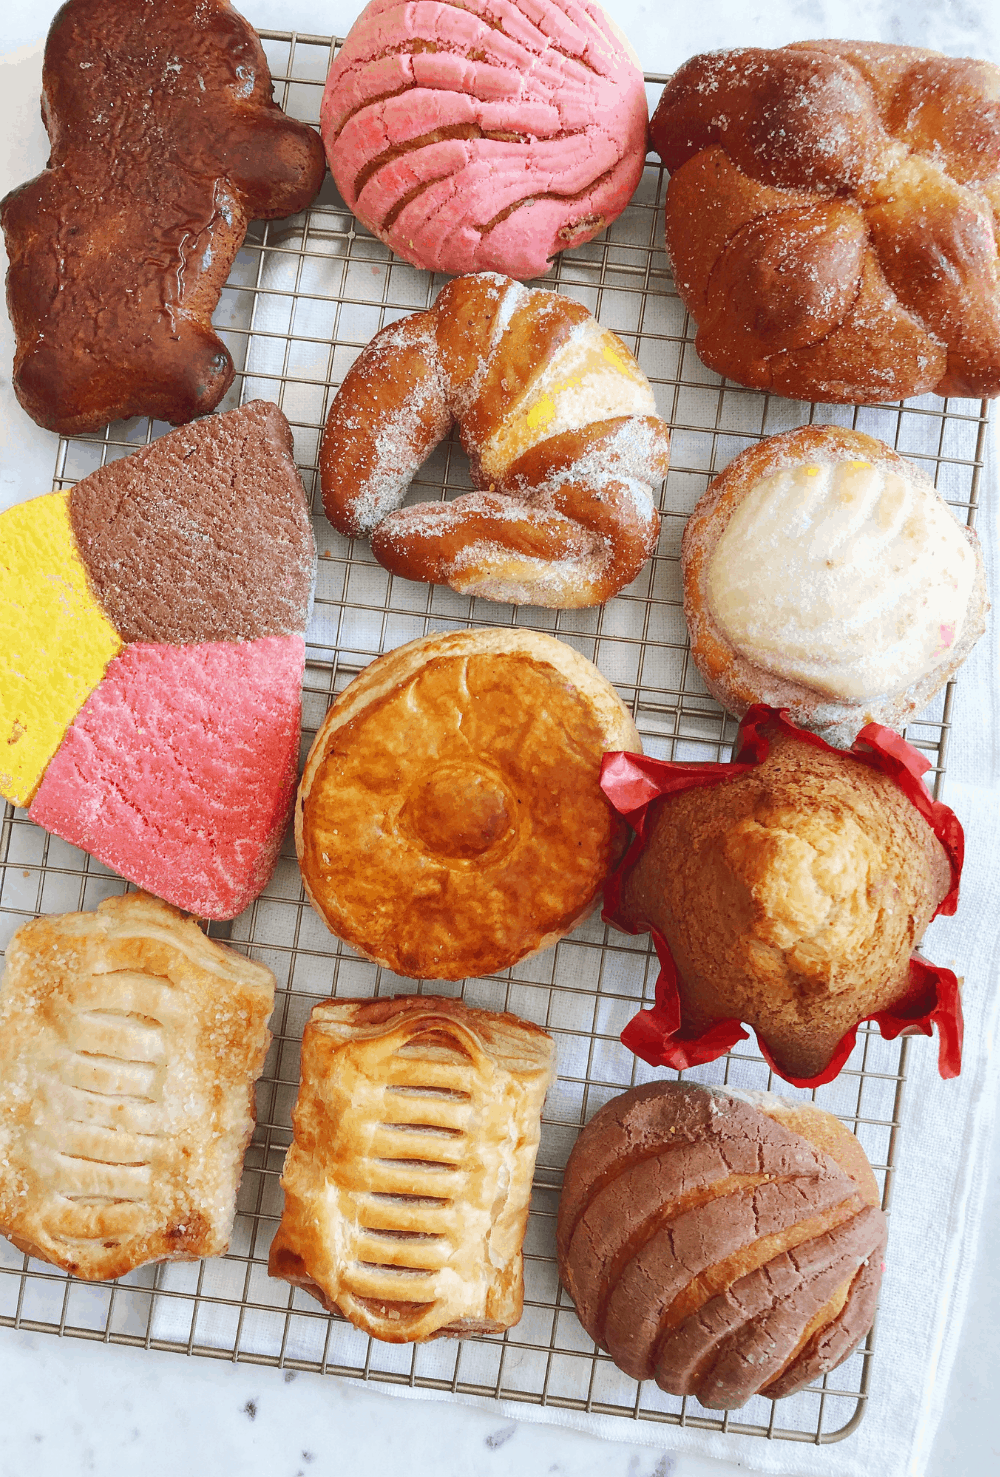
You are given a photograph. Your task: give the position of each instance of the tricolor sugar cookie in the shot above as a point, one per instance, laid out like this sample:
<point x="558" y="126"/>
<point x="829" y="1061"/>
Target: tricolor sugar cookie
<point x="152" y="645"/>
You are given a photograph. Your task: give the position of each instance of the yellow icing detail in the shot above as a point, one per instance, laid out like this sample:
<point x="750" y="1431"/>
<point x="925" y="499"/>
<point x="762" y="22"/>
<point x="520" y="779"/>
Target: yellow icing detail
<point x="859" y="464"/>
<point x="812" y="471"/>
<point x="617" y="361"/>
<point x="55" y="640"/>
<point x="542" y="412"/>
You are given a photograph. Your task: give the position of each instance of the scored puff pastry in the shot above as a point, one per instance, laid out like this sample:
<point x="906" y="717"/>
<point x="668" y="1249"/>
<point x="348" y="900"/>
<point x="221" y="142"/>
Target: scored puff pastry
<point x="129" y="1048"/>
<point x="408" y="1180"/>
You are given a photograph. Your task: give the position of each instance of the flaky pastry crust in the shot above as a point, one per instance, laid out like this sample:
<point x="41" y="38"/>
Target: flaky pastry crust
<point x="734" y="679"/>
<point x="129" y="1048"/>
<point x="450" y="820"/>
<point x="832" y="217"/>
<point x="408" y="1180"/>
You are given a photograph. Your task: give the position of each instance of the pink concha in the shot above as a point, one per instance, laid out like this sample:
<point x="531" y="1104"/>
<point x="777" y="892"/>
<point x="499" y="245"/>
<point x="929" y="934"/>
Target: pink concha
<point x="179" y="771"/>
<point x="487" y="136"/>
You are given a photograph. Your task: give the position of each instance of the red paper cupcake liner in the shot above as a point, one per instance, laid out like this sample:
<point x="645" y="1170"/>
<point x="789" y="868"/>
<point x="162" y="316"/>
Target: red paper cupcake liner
<point x="633" y="781"/>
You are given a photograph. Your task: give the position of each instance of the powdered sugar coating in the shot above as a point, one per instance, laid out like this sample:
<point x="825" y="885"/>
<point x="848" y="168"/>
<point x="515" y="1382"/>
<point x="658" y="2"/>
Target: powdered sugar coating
<point x="559" y="423"/>
<point x="486" y="135"/>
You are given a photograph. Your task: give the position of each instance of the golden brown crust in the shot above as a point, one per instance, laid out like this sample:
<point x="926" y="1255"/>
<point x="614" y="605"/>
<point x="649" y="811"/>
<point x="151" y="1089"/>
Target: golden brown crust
<point x="722" y="1242"/>
<point x="559" y="424"/>
<point x="832" y="216"/>
<point x="791" y="897"/>
<point x="165" y="142"/>
<point x="463" y="770"/>
<point x="734" y="678"/>
<point x="129" y="1048"/>
<point x="408" y="1180"/>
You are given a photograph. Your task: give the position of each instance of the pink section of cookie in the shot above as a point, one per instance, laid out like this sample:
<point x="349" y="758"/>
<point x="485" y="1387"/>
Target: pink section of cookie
<point x="487" y="137"/>
<point x="180" y="769"/>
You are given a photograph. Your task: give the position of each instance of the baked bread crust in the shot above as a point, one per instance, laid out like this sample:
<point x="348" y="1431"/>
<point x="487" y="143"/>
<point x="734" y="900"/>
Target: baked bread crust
<point x="129" y="1048"/>
<point x="791" y="897"/>
<point x="831" y="218"/>
<point x="559" y="424"/>
<point x="463" y="770"/>
<point x="408" y="1180"/>
<point x="165" y="142"/>
<point x="734" y="679"/>
<point x="724" y="1243"/>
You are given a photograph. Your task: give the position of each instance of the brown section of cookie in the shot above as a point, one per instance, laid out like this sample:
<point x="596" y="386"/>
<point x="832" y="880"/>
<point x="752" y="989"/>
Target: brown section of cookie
<point x="202" y="536"/>
<point x="165" y="143"/>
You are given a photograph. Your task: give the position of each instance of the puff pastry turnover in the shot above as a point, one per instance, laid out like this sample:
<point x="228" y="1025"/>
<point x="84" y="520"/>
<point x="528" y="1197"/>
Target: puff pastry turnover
<point x="129" y="1047"/>
<point x="408" y="1180"/>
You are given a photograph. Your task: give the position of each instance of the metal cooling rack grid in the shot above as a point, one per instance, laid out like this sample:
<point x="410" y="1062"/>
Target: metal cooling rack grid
<point x="303" y="298"/>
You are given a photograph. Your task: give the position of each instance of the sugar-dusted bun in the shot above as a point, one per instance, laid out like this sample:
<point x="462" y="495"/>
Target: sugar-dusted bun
<point x="488" y="136"/>
<point x="725" y="1244"/>
<point x="830" y="217"/>
<point x="825" y="574"/>
<point x="560" y="426"/>
<point x="791" y="897"/>
<point x="450" y="820"/>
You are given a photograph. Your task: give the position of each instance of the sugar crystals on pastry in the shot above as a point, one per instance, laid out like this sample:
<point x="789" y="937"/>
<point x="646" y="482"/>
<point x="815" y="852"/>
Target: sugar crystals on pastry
<point x="408" y="1180"/>
<point x="823" y="573"/>
<point x="129" y="1048"/>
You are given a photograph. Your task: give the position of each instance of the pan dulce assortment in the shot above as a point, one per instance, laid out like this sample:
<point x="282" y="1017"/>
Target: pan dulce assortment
<point x="472" y="796"/>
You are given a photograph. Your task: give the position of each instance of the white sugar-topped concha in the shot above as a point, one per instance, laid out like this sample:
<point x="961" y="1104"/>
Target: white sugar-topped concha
<point x="824" y="573"/>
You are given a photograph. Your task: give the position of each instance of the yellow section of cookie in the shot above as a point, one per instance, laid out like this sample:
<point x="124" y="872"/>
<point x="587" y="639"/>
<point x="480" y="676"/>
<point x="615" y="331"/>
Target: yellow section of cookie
<point x="55" y="640"/>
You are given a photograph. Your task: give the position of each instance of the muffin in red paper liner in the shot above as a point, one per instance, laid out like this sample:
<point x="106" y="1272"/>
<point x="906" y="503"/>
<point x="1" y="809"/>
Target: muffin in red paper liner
<point x="790" y="893"/>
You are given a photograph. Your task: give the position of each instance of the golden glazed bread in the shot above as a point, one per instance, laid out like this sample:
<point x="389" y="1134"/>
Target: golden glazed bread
<point x="723" y="1243"/>
<point x="824" y="574"/>
<point x="560" y="426"/>
<point x="791" y="897"/>
<point x="831" y="217"/>
<point x="450" y="819"/>
<point x="129" y="1048"/>
<point x="408" y="1180"/>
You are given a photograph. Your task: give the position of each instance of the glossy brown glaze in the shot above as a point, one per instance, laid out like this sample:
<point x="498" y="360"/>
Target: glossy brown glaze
<point x="165" y="143"/>
<point x="831" y="217"/>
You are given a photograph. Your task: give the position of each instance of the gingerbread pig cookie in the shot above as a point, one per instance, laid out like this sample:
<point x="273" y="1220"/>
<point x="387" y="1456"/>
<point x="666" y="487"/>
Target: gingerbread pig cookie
<point x="165" y="143"/>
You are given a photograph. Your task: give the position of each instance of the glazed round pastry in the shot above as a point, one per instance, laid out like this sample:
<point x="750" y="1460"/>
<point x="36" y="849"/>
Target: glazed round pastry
<point x="488" y="136"/>
<point x="791" y="897"/>
<point x="725" y="1244"/>
<point x="824" y="574"/>
<point x="560" y="426"/>
<point x="830" y="217"/>
<point x="450" y="819"/>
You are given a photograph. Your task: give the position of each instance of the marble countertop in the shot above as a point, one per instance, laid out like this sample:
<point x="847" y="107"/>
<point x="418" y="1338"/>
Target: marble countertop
<point x="73" y="1407"/>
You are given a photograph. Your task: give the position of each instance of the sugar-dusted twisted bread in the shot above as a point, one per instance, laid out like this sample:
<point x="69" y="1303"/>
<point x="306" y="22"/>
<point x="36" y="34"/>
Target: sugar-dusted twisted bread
<point x="559" y="424"/>
<point x="831" y="217"/>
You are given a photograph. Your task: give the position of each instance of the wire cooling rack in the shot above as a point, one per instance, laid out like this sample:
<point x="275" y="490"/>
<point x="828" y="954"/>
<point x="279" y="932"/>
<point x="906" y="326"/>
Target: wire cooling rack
<point x="303" y="298"/>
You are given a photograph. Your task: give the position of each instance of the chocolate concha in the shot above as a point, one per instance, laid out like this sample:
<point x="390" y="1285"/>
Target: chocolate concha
<point x="725" y="1244"/>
